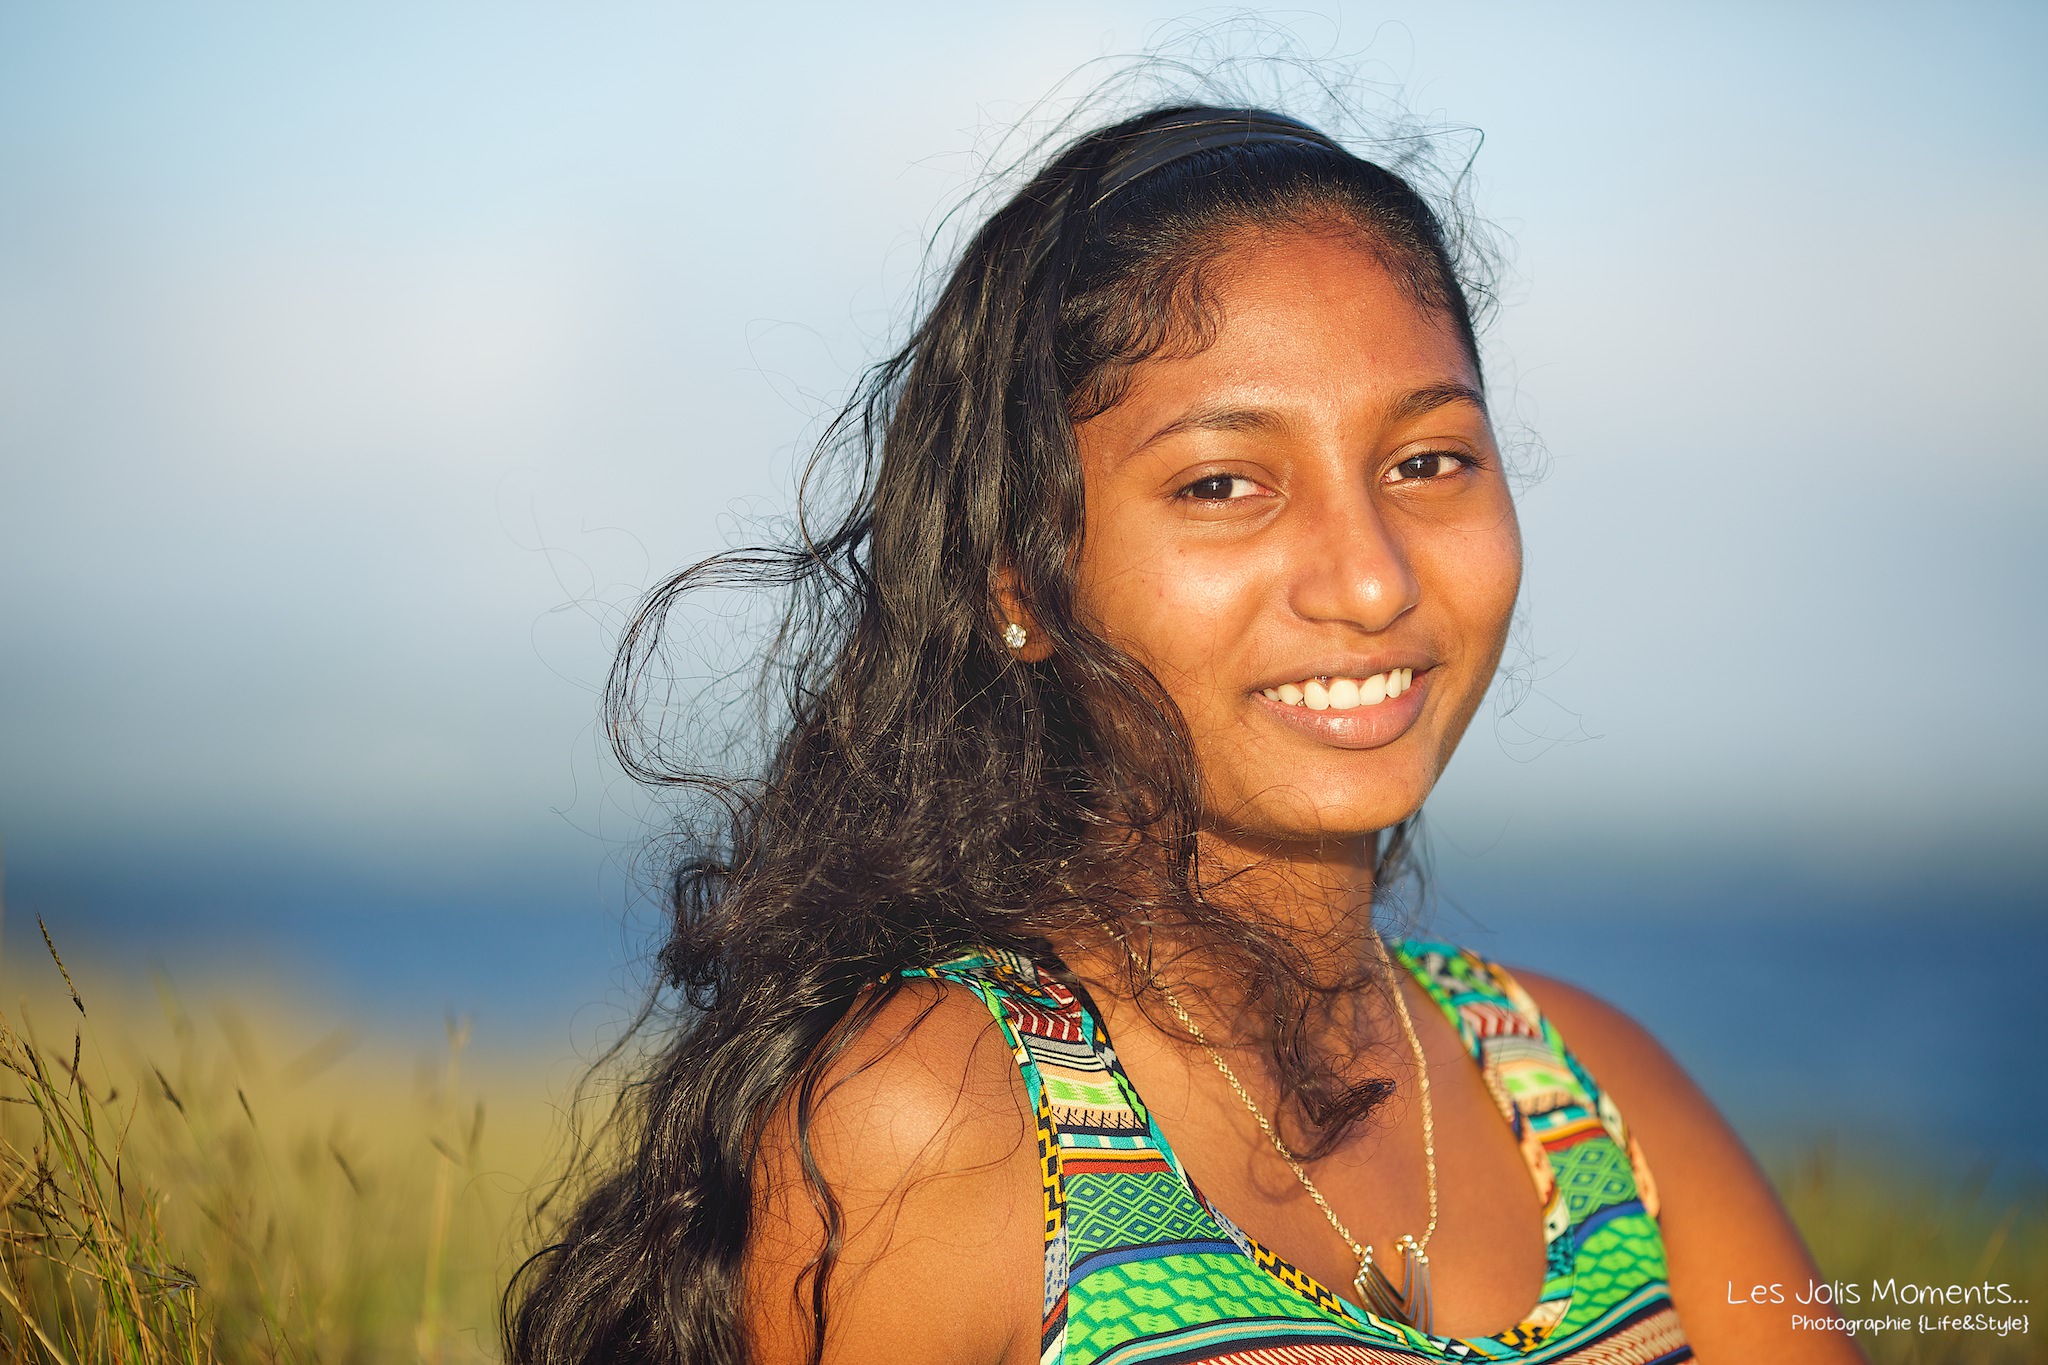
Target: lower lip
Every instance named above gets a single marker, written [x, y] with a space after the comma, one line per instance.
[1362, 727]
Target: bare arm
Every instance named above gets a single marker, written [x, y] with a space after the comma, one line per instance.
[1728, 1239]
[923, 1133]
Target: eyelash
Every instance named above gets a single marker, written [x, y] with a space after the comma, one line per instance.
[1232, 479]
[1443, 457]
[1450, 457]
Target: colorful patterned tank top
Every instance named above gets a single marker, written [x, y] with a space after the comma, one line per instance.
[1140, 1269]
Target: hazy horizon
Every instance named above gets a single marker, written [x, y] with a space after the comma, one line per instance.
[359, 369]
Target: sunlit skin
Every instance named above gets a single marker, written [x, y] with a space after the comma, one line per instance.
[1316, 493]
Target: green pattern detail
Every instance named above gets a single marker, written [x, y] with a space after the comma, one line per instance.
[1614, 1261]
[1102, 1094]
[1537, 1081]
[1138, 1298]
[1133, 1300]
[1106, 1142]
[1593, 1175]
[1109, 1211]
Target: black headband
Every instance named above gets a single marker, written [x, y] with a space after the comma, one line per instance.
[1169, 142]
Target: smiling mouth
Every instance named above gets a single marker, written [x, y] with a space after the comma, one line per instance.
[1342, 694]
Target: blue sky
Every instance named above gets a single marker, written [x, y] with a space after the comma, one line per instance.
[358, 368]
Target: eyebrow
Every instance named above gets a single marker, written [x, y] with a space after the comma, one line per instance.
[1420, 402]
[1215, 417]
[1225, 416]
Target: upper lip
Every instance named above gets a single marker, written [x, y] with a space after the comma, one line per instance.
[1352, 667]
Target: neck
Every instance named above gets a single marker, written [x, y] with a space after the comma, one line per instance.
[1312, 1029]
[1318, 894]
[1317, 897]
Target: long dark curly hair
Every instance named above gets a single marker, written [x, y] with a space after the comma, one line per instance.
[930, 793]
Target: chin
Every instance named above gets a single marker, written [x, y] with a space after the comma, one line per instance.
[1307, 820]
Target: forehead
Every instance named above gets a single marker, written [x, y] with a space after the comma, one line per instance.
[1307, 322]
[1312, 293]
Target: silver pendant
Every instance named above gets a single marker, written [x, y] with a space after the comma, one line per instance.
[1411, 1303]
[1415, 1295]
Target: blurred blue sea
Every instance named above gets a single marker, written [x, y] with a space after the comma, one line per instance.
[1906, 1022]
[1902, 1020]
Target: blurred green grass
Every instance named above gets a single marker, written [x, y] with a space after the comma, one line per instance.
[1871, 1219]
[236, 1182]
[239, 1183]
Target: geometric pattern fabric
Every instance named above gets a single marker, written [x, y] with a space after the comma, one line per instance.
[1140, 1270]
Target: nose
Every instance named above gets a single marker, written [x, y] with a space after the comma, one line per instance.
[1350, 567]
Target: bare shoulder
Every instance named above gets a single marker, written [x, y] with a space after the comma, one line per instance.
[1622, 1055]
[921, 1131]
[1737, 1263]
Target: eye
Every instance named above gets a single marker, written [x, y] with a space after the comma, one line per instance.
[1220, 488]
[1430, 464]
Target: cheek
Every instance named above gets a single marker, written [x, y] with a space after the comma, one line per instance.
[1479, 575]
[1500, 571]
[1181, 611]
[1511, 566]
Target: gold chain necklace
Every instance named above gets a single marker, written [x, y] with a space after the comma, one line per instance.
[1411, 1303]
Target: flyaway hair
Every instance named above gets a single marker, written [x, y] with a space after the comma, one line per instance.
[929, 793]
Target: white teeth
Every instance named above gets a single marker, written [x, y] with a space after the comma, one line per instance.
[1342, 694]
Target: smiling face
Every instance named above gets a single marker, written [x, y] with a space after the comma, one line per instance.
[1304, 531]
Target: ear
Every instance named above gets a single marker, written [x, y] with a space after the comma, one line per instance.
[1010, 610]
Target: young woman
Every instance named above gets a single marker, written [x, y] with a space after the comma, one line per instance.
[1037, 1007]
